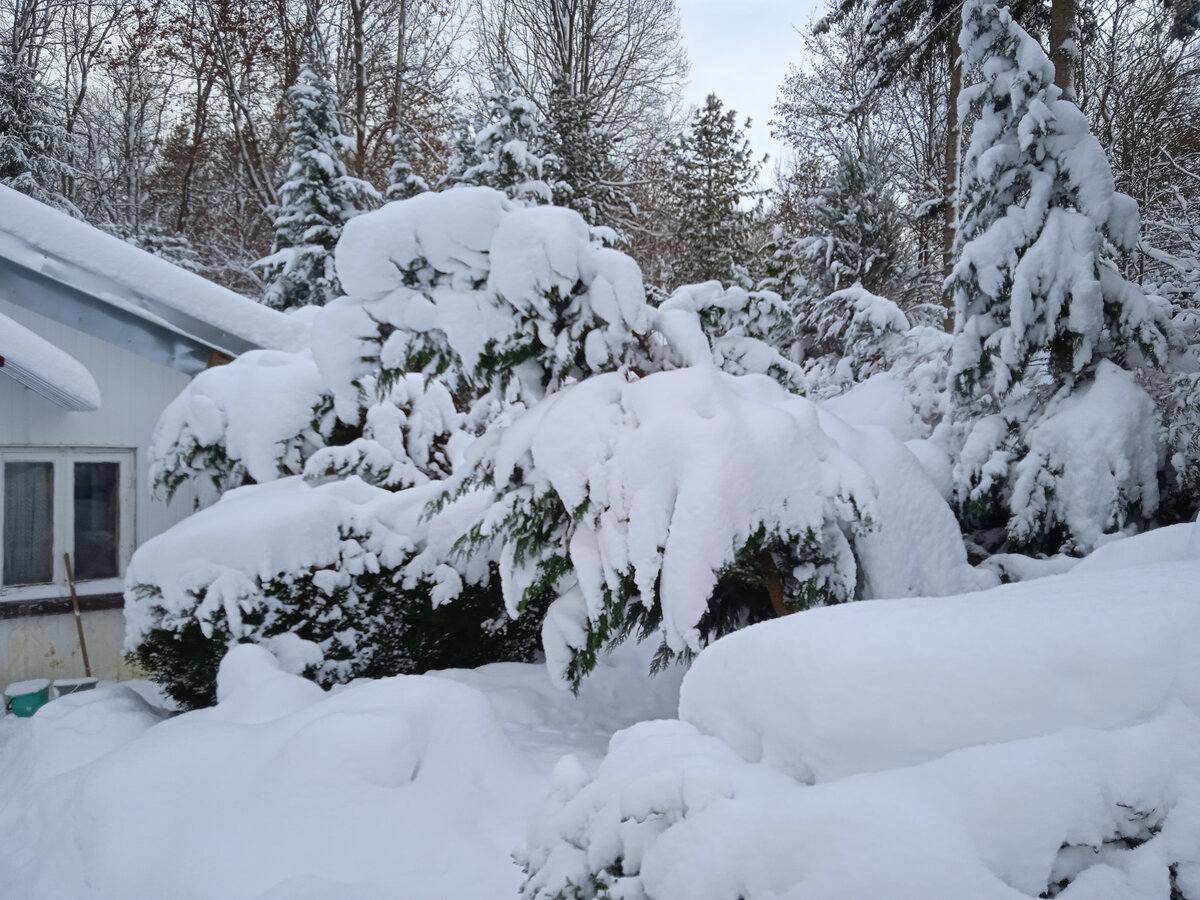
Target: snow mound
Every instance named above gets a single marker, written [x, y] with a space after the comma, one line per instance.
[1036, 740]
[1170, 544]
[413, 786]
[673, 814]
[279, 790]
[877, 685]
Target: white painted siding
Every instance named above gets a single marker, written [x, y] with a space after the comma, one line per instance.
[48, 647]
[134, 392]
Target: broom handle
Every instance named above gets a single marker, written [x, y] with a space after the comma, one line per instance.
[87, 667]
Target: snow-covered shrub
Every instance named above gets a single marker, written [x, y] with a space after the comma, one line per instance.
[982, 746]
[1179, 404]
[739, 331]
[852, 328]
[1086, 467]
[322, 569]
[463, 310]
[1090, 466]
[254, 420]
[1040, 300]
[691, 502]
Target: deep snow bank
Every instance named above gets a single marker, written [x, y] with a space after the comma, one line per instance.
[880, 684]
[1035, 740]
[413, 786]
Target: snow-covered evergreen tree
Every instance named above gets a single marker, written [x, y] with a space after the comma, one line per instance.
[859, 235]
[508, 146]
[464, 154]
[403, 180]
[712, 173]
[583, 174]
[1041, 303]
[316, 200]
[29, 135]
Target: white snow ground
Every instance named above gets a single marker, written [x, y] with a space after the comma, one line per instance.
[416, 786]
[983, 745]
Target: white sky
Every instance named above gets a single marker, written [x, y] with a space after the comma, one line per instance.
[740, 50]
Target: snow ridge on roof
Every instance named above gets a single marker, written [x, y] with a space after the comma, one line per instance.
[40, 366]
[52, 243]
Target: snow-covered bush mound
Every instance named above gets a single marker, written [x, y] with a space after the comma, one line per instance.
[864, 360]
[503, 296]
[733, 328]
[854, 325]
[883, 684]
[663, 501]
[345, 579]
[1033, 740]
[673, 814]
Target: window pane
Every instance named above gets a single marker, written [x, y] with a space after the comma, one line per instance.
[96, 520]
[28, 522]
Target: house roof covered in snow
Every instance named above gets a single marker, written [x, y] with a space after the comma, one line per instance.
[67, 270]
[43, 368]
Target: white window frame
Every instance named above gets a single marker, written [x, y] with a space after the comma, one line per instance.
[64, 459]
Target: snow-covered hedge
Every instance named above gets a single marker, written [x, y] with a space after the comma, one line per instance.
[337, 579]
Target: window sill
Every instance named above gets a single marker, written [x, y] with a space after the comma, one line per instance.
[58, 606]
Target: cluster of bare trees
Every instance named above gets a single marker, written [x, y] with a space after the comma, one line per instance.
[171, 114]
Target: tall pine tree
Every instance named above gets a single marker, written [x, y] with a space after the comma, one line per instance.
[583, 174]
[1041, 231]
[316, 200]
[403, 180]
[30, 137]
[859, 230]
[509, 146]
[1043, 312]
[713, 172]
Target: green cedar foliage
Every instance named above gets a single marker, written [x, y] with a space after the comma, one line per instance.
[713, 174]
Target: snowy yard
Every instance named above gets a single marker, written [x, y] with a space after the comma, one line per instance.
[583, 523]
[1036, 737]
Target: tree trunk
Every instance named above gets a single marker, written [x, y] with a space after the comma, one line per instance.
[357, 14]
[1062, 45]
[950, 184]
[774, 582]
